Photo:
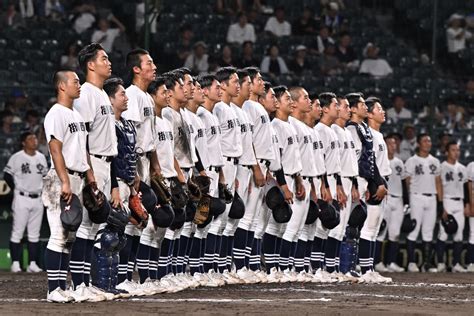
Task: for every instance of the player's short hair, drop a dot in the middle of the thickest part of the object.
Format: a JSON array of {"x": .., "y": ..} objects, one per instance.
[
  {"x": 449, "y": 144},
  {"x": 133, "y": 59},
  {"x": 88, "y": 53},
  {"x": 252, "y": 71},
  {"x": 184, "y": 71},
  {"x": 206, "y": 80},
  {"x": 171, "y": 79},
  {"x": 111, "y": 85},
  {"x": 325, "y": 98},
  {"x": 420, "y": 136},
  {"x": 295, "y": 92},
  {"x": 156, "y": 84},
  {"x": 24, "y": 135},
  {"x": 223, "y": 74},
  {"x": 267, "y": 86},
  {"x": 394, "y": 135},
  {"x": 370, "y": 102},
  {"x": 279, "y": 91},
  {"x": 353, "y": 98},
  {"x": 242, "y": 73},
  {"x": 60, "y": 76}
]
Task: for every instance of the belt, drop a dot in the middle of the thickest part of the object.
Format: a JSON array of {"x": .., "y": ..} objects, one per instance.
[
  {"x": 186, "y": 169},
  {"x": 248, "y": 166},
  {"x": 294, "y": 175},
  {"x": 265, "y": 162},
  {"x": 394, "y": 196},
  {"x": 104, "y": 158},
  {"x": 427, "y": 194},
  {"x": 455, "y": 198},
  {"x": 147, "y": 154},
  {"x": 124, "y": 181},
  {"x": 350, "y": 178},
  {"x": 30, "y": 195},
  {"x": 82, "y": 175},
  {"x": 308, "y": 178},
  {"x": 216, "y": 169},
  {"x": 236, "y": 160}
]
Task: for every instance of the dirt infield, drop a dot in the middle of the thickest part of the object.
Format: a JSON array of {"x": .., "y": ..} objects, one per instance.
[{"x": 421, "y": 294}]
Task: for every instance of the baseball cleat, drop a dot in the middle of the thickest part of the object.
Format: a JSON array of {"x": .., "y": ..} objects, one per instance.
[
  {"x": 441, "y": 267},
  {"x": 412, "y": 267},
  {"x": 59, "y": 296},
  {"x": 380, "y": 267},
  {"x": 15, "y": 268},
  {"x": 393, "y": 267},
  {"x": 33, "y": 268},
  {"x": 459, "y": 268},
  {"x": 470, "y": 267}
]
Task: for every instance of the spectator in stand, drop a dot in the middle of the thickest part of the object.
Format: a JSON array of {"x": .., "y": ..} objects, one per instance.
[
  {"x": 470, "y": 87},
  {"x": 228, "y": 7},
  {"x": 345, "y": 52},
  {"x": 27, "y": 9},
  {"x": 398, "y": 140},
  {"x": 11, "y": 18},
  {"x": 84, "y": 16},
  {"x": 306, "y": 24},
  {"x": 374, "y": 65},
  {"x": 277, "y": 25},
  {"x": 398, "y": 110},
  {"x": 329, "y": 63},
  {"x": 273, "y": 64},
  {"x": 241, "y": 31},
  {"x": 32, "y": 122},
  {"x": 54, "y": 9},
  {"x": 69, "y": 59},
  {"x": 408, "y": 144},
  {"x": 322, "y": 40},
  {"x": 333, "y": 19},
  {"x": 299, "y": 63},
  {"x": 443, "y": 139},
  {"x": 456, "y": 34},
  {"x": 106, "y": 35},
  {"x": 453, "y": 117},
  {"x": 7, "y": 123},
  {"x": 226, "y": 57},
  {"x": 185, "y": 43},
  {"x": 197, "y": 62},
  {"x": 254, "y": 18},
  {"x": 248, "y": 59}
]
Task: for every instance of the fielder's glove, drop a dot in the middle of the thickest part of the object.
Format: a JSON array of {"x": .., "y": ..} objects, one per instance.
[
  {"x": 92, "y": 197},
  {"x": 225, "y": 194},
  {"x": 162, "y": 191},
  {"x": 202, "y": 210},
  {"x": 179, "y": 197},
  {"x": 139, "y": 216}
]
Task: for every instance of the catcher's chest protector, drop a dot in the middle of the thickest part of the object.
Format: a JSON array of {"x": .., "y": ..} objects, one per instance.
[{"x": 126, "y": 159}]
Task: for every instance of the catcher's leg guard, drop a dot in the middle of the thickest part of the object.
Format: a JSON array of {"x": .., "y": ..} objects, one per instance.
[{"x": 348, "y": 255}]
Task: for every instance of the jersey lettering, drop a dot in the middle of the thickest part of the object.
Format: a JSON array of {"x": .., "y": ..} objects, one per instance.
[
  {"x": 399, "y": 170},
  {"x": 230, "y": 124},
  {"x": 460, "y": 177},
  {"x": 449, "y": 176},
  {"x": 432, "y": 169},
  {"x": 39, "y": 168},
  {"x": 290, "y": 140},
  {"x": 25, "y": 168},
  {"x": 263, "y": 118},
  {"x": 76, "y": 127},
  {"x": 148, "y": 111},
  {"x": 419, "y": 170}
]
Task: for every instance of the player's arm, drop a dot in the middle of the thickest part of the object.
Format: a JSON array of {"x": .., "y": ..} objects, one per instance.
[
  {"x": 325, "y": 189},
  {"x": 341, "y": 195},
  {"x": 115, "y": 192},
  {"x": 439, "y": 196},
  {"x": 313, "y": 193},
  {"x": 199, "y": 165},
  {"x": 280, "y": 178},
  {"x": 154, "y": 163},
  {"x": 258, "y": 176},
  {"x": 467, "y": 198},
  {"x": 55, "y": 148},
  {"x": 380, "y": 181},
  {"x": 471, "y": 194},
  {"x": 90, "y": 172},
  {"x": 355, "y": 190},
  {"x": 9, "y": 180},
  {"x": 180, "y": 176},
  {"x": 300, "y": 190}
]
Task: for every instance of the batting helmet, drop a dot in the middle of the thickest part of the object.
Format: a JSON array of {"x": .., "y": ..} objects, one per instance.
[
  {"x": 163, "y": 216},
  {"x": 237, "y": 209},
  {"x": 450, "y": 224},
  {"x": 282, "y": 213},
  {"x": 274, "y": 197},
  {"x": 100, "y": 216},
  {"x": 216, "y": 207},
  {"x": 408, "y": 224},
  {"x": 358, "y": 214},
  {"x": 190, "y": 210},
  {"x": 148, "y": 197},
  {"x": 117, "y": 219},
  {"x": 313, "y": 212},
  {"x": 352, "y": 232},
  {"x": 71, "y": 214},
  {"x": 328, "y": 215},
  {"x": 179, "y": 218}
]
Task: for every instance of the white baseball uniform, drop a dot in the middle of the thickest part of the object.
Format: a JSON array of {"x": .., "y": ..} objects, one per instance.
[
  {"x": 453, "y": 178},
  {"x": 95, "y": 107},
  {"x": 181, "y": 136},
  {"x": 470, "y": 177},
  {"x": 27, "y": 172},
  {"x": 191, "y": 119},
  {"x": 198, "y": 137},
  {"x": 349, "y": 170},
  {"x": 394, "y": 206},
  {"x": 67, "y": 126},
  {"x": 423, "y": 172}
]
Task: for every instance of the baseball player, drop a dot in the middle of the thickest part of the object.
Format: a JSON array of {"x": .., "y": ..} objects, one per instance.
[
  {"x": 426, "y": 199},
  {"x": 369, "y": 176},
  {"x": 261, "y": 137},
  {"x": 394, "y": 207},
  {"x": 231, "y": 145},
  {"x": 212, "y": 95},
  {"x": 376, "y": 117},
  {"x": 66, "y": 132},
  {"x": 455, "y": 203},
  {"x": 292, "y": 164},
  {"x": 332, "y": 162},
  {"x": 470, "y": 176},
  {"x": 24, "y": 174},
  {"x": 95, "y": 108},
  {"x": 349, "y": 173},
  {"x": 294, "y": 228}
]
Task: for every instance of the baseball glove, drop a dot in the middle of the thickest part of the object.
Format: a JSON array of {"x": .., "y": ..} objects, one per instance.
[
  {"x": 179, "y": 197},
  {"x": 92, "y": 197},
  {"x": 203, "y": 182},
  {"x": 139, "y": 216},
  {"x": 225, "y": 194},
  {"x": 162, "y": 191},
  {"x": 194, "y": 191},
  {"x": 202, "y": 210}
]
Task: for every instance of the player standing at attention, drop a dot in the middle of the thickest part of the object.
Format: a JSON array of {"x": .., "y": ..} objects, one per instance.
[
  {"x": 456, "y": 203},
  {"x": 96, "y": 110},
  {"x": 470, "y": 250},
  {"x": 426, "y": 200},
  {"x": 66, "y": 133},
  {"x": 24, "y": 174}
]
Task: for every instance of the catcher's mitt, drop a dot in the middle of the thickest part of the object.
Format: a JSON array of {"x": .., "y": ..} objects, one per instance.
[
  {"x": 139, "y": 216},
  {"x": 225, "y": 194},
  {"x": 194, "y": 192},
  {"x": 202, "y": 210},
  {"x": 179, "y": 197},
  {"x": 162, "y": 191},
  {"x": 203, "y": 182},
  {"x": 92, "y": 197}
]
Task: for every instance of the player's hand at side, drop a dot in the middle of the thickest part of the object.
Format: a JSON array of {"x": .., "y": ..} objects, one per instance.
[
  {"x": 341, "y": 196},
  {"x": 287, "y": 194},
  {"x": 445, "y": 215},
  {"x": 66, "y": 192},
  {"x": 258, "y": 176},
  {"x": 381, "y": 192},
  {"x": 467, "y": 210},
  {"x": 313, "y": 195},
  {"x": 136, "y": 183},
  {"x": 115, "y": 198},
  {"x": 355, "y": 194},
  {"x": 326, "y": 194},
  {"x": 300, "y": 190},
  {"x": 236, "y": 184}
]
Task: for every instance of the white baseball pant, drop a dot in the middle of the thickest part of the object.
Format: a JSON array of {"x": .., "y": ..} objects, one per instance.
[
  {"x": 393, "y": 214},
  {"x": 244, "y": 177},
  {"x": 423, "y": 210},
  {"x": 278, "y": 229},
  {"x": 339, "y": 231},
  {"x": 455, "y": 208},
  {"x": 214, "y": 192},
  {"x": 300, "y": 212},
  {"x": 321, "y": 231},
  {"x": 27, "y": 214}
]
